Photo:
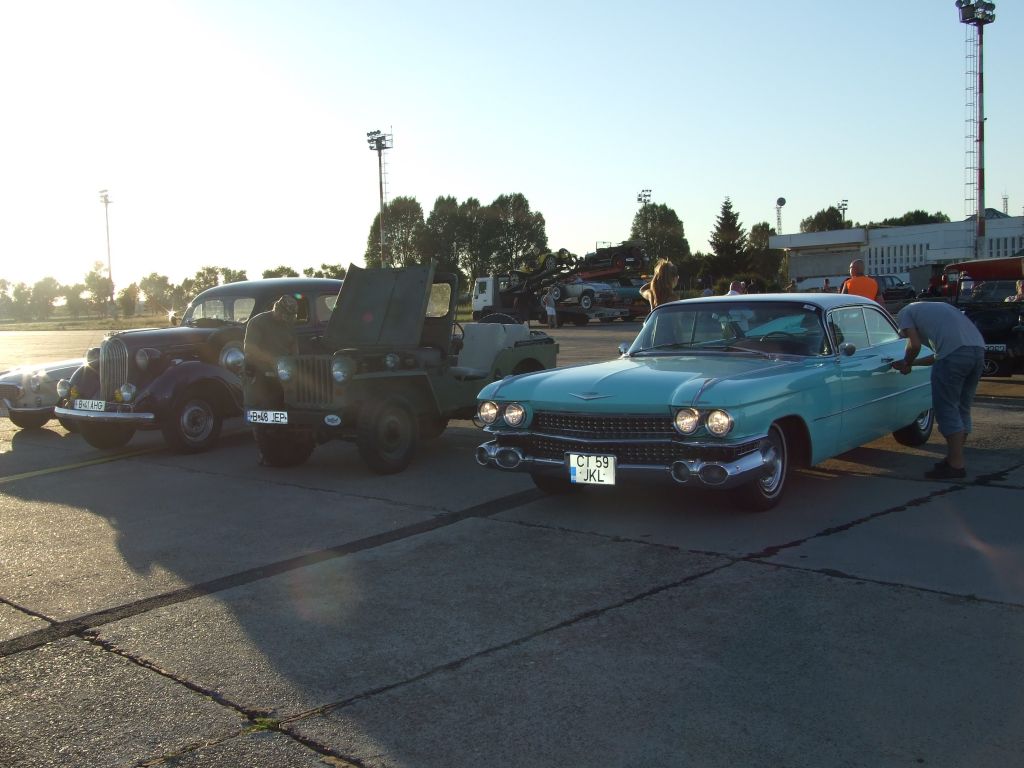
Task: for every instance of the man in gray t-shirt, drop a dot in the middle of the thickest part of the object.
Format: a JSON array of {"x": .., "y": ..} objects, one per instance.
[{"x": 956, "y": 368}]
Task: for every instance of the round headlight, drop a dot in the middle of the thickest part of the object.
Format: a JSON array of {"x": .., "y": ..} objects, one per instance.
[
  {"x": 514, "y": 414},
  {"x": 285, "y": 369},
  {"x": 342, "y": 368},
  {"x": 719, "y": 423},
  {"x": 92, "y": 356},
  {"x": 687, "y": 420},
  {"x": 127, "y": 392},
  {"x": 63, "y": 387},
  {"x": 391, "y": 360},
  {"x": 232, "y": 358},
  {"x": 487, "y": 411}
]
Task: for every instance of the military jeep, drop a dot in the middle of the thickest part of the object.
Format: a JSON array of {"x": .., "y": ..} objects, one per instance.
[{"x": 402, "y": 368}]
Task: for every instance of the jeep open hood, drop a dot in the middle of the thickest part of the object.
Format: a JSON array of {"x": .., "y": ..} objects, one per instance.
[{"x": 380, "y": 307}]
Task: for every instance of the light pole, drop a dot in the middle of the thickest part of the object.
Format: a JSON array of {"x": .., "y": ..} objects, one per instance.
[
  {"x": 379, "y": 142},
  {"x": 105, "y": 199},
  {"x": 644, "y": 197},
  {"x": 978, "y": 14},
  {"x": 843, "y": 205}
]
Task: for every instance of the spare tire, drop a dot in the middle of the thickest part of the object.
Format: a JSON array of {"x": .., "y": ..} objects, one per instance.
[{"x": 499, "y": 317}]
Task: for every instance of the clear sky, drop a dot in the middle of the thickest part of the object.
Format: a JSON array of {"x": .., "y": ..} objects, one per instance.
[{"x": 233, "y": 132}]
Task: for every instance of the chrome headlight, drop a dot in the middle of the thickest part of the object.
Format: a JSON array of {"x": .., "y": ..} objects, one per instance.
[
  {"x": 686, "y": 420},
  {"x": 487, "y": 411},
  {"x": 63, "y": 387},
  {"x": 342, "y": 368},
  {"x": 35, "y": 381},
  {"x": 514, "y": 414},
  {"x": 391, "y": 360},
  {"x": 232, "y": 358},
  {"x": 719, "y": 423},
  {"x": 92, "y": 356},
  {"x": 127, "y": 392},
  {"x": 285, "y": 370}
]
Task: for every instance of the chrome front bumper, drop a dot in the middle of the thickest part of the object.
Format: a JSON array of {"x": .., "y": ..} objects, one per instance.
[
  {"x": 707, "y": 474},
  {"x": 114, "y": 417}
]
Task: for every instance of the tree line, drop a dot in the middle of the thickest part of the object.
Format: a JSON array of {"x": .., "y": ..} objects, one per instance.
[{"x": 468, "y": 238}]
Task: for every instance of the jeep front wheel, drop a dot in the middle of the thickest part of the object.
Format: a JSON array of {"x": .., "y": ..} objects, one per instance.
[
  {"x": 387, "y": 435},
  {"x": 106, "y": 436},
  {"x": 193, "y": 425}
]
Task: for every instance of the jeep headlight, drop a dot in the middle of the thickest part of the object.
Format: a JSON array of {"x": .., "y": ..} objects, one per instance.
[
  {"x": 232, "y": 358},
  {"x": 92, "y": 356},
  {"x": 285, "y": 369},
  {"x": 63, "y": 388},
  {"x": 488, "y": 411},
  {"x": 342, "y": 369},
  {"x": 391, "y": 360},
  {"x": 719, "y": 423},
  {"x": 514, "y": 414},
  {"x": 687, "y": 420}
]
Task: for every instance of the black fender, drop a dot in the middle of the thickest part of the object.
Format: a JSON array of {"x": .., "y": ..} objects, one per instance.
[
  {"x": 224, "y": 385},
  {"x": 85, "y": 381}
]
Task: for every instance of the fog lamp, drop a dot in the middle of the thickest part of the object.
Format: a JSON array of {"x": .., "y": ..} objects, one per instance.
[{"x": 127, "y": 392}]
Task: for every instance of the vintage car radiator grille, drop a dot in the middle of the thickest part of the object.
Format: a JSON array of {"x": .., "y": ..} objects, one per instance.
[
  {"x": 113, "y": 367},
  {"x": 604, "y": 427},
  {"x": 313, "y": 385}
]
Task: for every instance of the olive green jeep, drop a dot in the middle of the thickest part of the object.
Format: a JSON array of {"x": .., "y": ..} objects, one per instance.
[{"x": 402, "y": 367}]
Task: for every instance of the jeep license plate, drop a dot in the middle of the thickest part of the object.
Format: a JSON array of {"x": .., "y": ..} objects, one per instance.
[
  {"x": 267, "y": 417},
  {"x": 591, "y": 469},
  {"x": 90, "y": 405}
]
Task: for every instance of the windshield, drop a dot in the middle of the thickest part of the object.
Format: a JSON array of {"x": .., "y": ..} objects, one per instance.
[
  {"x": 989, "y": 290},
  {"x": 785, "y": 328},
  {"x": 226, "y": 308}
]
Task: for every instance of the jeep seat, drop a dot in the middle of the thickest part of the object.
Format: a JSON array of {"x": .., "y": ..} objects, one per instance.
[{"x": 481, "y": 344}]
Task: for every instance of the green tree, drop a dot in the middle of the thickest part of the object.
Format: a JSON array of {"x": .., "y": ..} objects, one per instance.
[
  {"x": 75, "y": 305},
  {"x": 99, "y": 286},
  {"x": 911, "y": 218},
  {"x": 229, "y": 275},
  {"x": 729, "y": 243},
  {"x": 475, "y": 252},
  {"x": 513, "y": 232},
  {"x": 441, "y": 236},
  {"x": 661, "y": 230},
  {"x": 127, "y": 299},
  {"x": 335, "y": 271},
  {"x": 281, "y": 271},
  {"x": 158, "y": 291},
  {"x": 44, "y": 293},
  {"x": 826, "y": 220},
  {"x": 765, "y": 262},
  {"x": 5, "y": 299},
  {"x": 403, "y": 220},
  {"x": 206, "y": 277},
  {"x": 21, "y": 302}
]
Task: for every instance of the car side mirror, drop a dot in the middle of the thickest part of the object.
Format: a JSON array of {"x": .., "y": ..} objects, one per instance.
[
  {"x": 623, "y": 348},
  {"x": 847, "y": 348}
]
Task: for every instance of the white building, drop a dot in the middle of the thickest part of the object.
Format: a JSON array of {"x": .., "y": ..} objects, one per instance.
[{"x": 911, "y": 252}]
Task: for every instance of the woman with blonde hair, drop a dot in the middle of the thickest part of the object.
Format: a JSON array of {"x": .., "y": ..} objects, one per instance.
[{"x": 662, "y": 287}]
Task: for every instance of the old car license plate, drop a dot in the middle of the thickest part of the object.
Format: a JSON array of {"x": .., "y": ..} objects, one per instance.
[
  {"x": 90, "y": 405},
  {"x": 995, "y": 347},
  {"x": 591, "y": 469},
  {"x": 267, "y": 417}
]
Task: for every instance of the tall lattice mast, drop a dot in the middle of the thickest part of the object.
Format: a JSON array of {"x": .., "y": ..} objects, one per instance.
[{"x": 970, "y": 120}]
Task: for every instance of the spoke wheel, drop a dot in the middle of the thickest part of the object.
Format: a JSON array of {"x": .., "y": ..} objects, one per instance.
[{"x": 387, "y": 436}]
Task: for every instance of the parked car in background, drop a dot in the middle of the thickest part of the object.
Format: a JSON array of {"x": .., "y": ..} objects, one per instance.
[
  {"x": 723, "y": 392},
  {"x": 627, "y": 291},
  {"x": 586, "y": 293},
  {"x": 185, "y": 380},
  {"x": 895, "y": 288},
  {"x": 395, "y": 366},
  {"x": 28, "y": 393}
]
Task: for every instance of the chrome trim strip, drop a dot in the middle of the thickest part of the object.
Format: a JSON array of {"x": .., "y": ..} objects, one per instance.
[{"x": 130, "y": 417}]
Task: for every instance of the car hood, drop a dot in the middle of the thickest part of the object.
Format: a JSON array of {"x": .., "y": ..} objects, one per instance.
[
  {"x": 164, "y": 338},
  {"x": 641, "y": 384},
  {"x": 62, "y": 369},
  {"x": 380, "y": 307}
]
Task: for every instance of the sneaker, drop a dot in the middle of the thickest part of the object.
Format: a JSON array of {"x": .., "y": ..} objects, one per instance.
[{"x": 943, "y": 471}]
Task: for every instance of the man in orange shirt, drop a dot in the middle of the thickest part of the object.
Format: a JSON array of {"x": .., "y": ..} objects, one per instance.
[{"x": 860, "y": 284}]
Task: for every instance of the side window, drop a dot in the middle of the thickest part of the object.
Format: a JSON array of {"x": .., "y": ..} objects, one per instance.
[
  {"x": 848, "y": 327},
  {"x": 211, "y": 310},
  {"x": 440, "y": 300},
  {"x": 880, "y": 330},
  {"x": 325, "y": 306}
]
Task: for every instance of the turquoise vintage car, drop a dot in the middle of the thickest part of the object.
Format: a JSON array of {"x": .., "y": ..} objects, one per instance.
[{"x": 722, "y": 392}]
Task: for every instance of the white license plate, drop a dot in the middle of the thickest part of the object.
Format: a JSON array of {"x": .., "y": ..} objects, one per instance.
[
  {"x": 591, "y": 469},
  {"x": 995, "y": 347},
  {"x": 267, "y": 417},
  {"x": 90, "y": 405}
]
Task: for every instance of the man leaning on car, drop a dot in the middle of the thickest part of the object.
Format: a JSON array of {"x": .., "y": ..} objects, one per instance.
[{"x": 269, "y": 336}]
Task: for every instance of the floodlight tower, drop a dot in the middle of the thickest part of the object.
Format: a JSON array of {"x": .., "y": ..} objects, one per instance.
[
  {"x": 644, "y": 197},
  {"x": 380, "y": 142},
  {"x": 978, "y": 13},
  {"x": 778, "y": 215},
  {"x": 105, "y": 199},
  {"x": 842, "y": 206}
]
